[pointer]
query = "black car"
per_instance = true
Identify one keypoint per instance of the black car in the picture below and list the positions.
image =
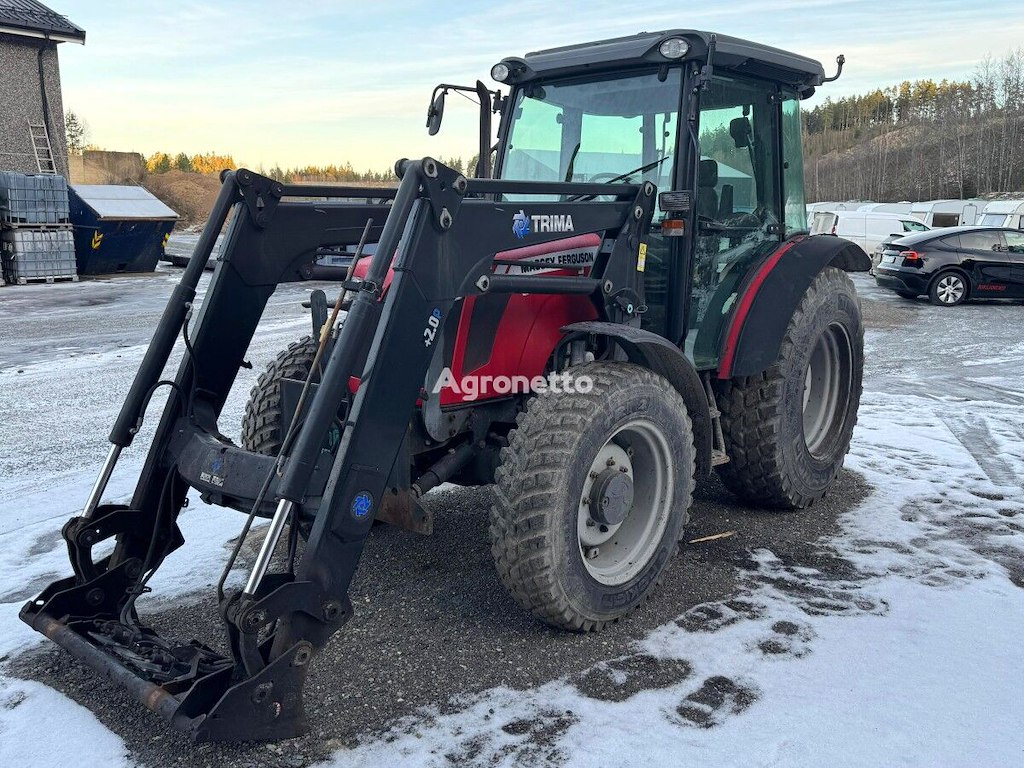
(954, 264)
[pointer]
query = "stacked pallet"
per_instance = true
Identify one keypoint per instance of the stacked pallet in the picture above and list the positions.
(36, 239)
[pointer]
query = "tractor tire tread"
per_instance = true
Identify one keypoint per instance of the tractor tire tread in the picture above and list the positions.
(261, 424)
(527, 488)
(751, 409)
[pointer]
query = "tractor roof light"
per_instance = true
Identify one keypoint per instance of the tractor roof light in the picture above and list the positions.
(500, 72)
(674, 48)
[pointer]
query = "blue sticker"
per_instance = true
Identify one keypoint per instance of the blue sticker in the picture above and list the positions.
(217, 465)
(362, 504)
(520, 225)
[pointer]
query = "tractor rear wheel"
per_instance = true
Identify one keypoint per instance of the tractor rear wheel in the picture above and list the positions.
(592, 495)
(788, 429)
(262, 425)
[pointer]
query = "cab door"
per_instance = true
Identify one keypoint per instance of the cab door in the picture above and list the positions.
(741, 215)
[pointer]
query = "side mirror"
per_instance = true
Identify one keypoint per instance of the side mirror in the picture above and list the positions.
(435, 113)
(741, 131)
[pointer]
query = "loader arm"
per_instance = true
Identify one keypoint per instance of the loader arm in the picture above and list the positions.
(439, 236)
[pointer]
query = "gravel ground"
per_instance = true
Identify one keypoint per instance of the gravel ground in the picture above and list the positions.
(431, 620)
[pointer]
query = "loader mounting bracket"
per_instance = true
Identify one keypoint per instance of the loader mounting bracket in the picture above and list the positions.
(134, 530)
(261, 195)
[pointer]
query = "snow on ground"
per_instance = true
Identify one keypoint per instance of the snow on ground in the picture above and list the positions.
(912, 660)
(60, 395)
(904, 650)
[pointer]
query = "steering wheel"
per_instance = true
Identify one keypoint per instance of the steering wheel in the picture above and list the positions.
(744, 221)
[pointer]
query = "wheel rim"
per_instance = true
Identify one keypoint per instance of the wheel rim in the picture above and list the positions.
(950, 289)
(827, 386)
(615, 553)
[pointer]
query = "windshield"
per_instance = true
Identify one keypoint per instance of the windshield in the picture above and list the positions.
(913, 226)
(617, 129)
(993, 220)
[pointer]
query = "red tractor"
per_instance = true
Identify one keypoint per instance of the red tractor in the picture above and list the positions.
(554, 326)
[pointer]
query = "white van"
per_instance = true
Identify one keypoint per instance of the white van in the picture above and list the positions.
(1003, 213)
(866, 228)
(947, 213)
(813, 208)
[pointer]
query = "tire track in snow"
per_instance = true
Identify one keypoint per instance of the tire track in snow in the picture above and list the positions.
(978, 438)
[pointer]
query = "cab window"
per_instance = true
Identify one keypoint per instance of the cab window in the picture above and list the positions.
(795, 203)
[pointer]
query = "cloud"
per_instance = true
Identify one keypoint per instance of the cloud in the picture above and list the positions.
(321, 81)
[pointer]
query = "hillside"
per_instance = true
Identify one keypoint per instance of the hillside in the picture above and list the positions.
(917, 162)
(921, 140)
(190, 194)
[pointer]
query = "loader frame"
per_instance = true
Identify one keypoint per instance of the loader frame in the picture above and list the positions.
(438, 232)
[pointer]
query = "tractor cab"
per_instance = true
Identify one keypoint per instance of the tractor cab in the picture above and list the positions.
(712, 121)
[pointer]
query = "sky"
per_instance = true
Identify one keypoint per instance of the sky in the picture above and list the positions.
(320, 82)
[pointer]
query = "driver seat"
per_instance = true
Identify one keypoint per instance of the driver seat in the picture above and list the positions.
(707, 196)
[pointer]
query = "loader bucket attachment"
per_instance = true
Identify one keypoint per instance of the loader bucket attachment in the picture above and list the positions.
(438, 232)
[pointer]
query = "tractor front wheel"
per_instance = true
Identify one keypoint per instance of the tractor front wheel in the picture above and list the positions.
(592, 495)
(788, 429)
(263, 423)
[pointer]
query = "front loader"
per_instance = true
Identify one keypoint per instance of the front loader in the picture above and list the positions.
(554, 327)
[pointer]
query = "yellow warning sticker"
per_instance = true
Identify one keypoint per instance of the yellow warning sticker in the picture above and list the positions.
(97, 238)
(641, 258)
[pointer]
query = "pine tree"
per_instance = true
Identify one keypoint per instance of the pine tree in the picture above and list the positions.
(158, 162)
(77, 131)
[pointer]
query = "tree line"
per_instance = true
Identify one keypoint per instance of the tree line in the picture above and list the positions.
(347, 173)
(921, 140)
(212, 162)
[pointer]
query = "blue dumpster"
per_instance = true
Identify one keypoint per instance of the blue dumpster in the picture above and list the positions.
(118, 228)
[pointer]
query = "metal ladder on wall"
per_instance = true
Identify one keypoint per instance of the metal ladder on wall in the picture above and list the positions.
(41, 147)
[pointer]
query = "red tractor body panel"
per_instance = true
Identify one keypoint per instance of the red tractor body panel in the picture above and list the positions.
(513, 335)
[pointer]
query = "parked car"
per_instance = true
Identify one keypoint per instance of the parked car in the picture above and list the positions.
(876, 255)
(955, 264)
(866, 228)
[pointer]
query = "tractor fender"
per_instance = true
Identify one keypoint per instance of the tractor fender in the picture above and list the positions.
(771, 293)
(665, 359)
